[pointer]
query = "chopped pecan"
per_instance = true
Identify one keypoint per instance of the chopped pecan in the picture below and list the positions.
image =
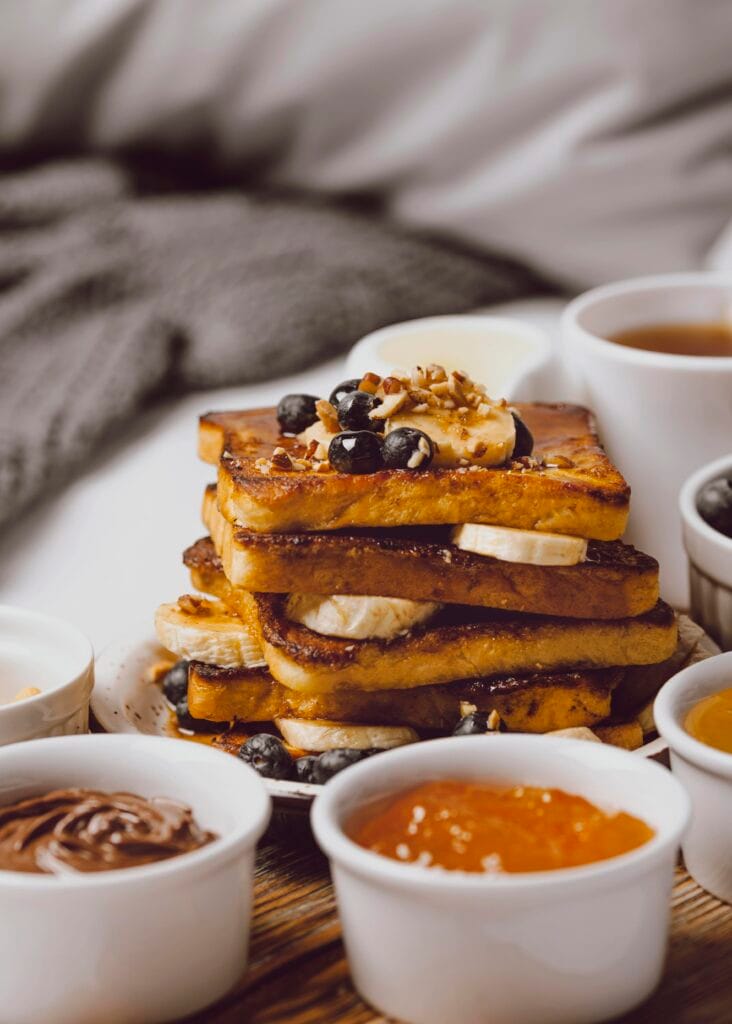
(370, 383)
(191, 605)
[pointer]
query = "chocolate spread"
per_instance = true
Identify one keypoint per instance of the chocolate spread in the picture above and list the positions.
(70, 830)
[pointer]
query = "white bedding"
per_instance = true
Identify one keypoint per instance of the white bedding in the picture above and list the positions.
(587, 139)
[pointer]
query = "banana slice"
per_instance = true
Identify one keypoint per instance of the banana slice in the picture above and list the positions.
(577, 732)
(528, 546)
(201, 630)
(358, 618)
(481, 437)
(318, 735)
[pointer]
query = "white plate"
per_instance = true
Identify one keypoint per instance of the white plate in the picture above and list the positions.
(124, 700)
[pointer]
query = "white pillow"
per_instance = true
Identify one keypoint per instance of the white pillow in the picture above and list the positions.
(588, 139)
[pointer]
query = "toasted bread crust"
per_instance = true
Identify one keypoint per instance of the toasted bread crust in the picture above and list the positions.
(535, 703)
(588, 499)
(459, 643)
(420, 563)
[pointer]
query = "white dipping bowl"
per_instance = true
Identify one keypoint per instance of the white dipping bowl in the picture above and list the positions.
(140, 945)
(508, 356)
(52, 655)
(705, 772)
(550, 947)
(710, 557)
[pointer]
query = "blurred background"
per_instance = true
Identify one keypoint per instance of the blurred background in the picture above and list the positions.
(198, 198)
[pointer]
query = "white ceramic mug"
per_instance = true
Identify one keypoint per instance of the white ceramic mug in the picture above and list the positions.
(661, 416)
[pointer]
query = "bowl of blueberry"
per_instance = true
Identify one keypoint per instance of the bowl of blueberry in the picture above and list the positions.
(706, 514)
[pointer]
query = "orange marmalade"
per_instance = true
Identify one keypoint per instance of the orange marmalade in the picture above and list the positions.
(474, 826)
(710, 721)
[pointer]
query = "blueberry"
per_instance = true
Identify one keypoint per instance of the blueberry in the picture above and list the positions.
(355, 451)
(714, 504)
(524, 438)
(306, 768)
(408, 448)
(334, 761)
(187, 721)
(267, 755)
(478, 723)
(175, 683)
(343, 389)
(296, 413)
(353, 412)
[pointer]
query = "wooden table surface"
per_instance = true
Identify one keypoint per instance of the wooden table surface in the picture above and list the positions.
(298, 973)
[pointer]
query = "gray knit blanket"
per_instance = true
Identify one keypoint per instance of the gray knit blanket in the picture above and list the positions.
(112, 296)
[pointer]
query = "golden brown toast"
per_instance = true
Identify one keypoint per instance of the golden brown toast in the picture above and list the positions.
(535, 703)
(420, 563)
(459, 643)
(587, 497)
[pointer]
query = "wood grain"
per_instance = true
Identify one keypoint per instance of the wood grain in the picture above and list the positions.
(298, 973)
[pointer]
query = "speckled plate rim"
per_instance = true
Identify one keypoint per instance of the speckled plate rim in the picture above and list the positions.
(124, 701)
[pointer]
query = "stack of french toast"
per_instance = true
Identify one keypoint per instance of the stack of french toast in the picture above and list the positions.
(408, 558)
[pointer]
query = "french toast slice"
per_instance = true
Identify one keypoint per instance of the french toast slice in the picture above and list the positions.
(460, 642)
(534, 703)
(581, 493)
(614, 582)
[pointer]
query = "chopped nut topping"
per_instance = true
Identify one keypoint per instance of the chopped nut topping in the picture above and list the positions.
(191, 605)
(494, 721)
(421, 453)
(370, 383)
(327, 415)
(312, 448)
(389, 405)
(478, 449)
(436, 374)
(392, 386)
(466, 708)
(280, 459)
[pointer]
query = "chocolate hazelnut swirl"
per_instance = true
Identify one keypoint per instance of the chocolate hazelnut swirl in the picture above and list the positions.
(70, 830)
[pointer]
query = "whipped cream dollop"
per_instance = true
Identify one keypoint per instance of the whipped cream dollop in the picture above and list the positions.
(80, 830)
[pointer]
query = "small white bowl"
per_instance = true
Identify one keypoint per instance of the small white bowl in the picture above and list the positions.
(52, 655)
(705, 772)
(504, 354)
(551, 947)
(138, 945)
(710, 558)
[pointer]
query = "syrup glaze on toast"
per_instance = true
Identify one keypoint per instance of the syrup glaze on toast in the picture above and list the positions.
(420, 563)
(535, 703)
(587, 497)
(460, 642)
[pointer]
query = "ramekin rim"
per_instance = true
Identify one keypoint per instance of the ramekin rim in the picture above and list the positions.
(669, 726)
(220, 850)
(344, 851)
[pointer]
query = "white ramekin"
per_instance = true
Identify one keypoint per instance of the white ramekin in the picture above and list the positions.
(52, 655)
(705, 772)
(508, 355)
(710, 558)
(141, 945)
(551, 947)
